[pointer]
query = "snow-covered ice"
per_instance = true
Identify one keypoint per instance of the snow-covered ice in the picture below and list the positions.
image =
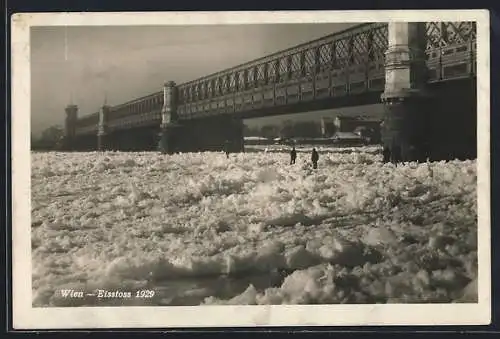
(198, 228)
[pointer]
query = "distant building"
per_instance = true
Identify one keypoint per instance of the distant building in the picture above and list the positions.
(253, 140)
(349, 124)
(371, 135)
(348, 139)
(284, 141)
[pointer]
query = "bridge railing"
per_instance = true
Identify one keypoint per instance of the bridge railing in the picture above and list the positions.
(451, 50)
(136, 112)
(87, 124)
(357, 50)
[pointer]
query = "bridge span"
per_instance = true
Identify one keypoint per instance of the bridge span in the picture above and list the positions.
(423, 73)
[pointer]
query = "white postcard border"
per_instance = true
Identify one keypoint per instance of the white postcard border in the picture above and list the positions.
(27, 317)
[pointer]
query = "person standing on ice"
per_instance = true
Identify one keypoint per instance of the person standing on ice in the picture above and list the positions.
(226, 148)
(386, 153)
(396, 154)
(314, 158)
(293, 156)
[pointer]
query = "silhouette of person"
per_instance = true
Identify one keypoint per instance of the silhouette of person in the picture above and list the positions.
(386, 154)
(226, 148)
(293, 155)
(426, 152)
(396, 154)
(314, 158)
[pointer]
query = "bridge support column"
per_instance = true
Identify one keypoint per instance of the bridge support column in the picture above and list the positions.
(404, 131)
(170, 139)
(69, 138)
(102, 135)
(102, 142)
(169, 136)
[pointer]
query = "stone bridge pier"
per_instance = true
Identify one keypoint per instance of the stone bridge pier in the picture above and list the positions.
(406, 99)
(103, 136)
(197, 135)
(69, 137)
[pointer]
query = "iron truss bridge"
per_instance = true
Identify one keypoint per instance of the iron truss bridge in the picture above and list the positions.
(339, 65)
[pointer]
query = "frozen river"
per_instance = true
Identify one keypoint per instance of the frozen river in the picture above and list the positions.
(198, 228)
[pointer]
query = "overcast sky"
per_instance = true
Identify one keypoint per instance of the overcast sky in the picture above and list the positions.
(126, 62)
